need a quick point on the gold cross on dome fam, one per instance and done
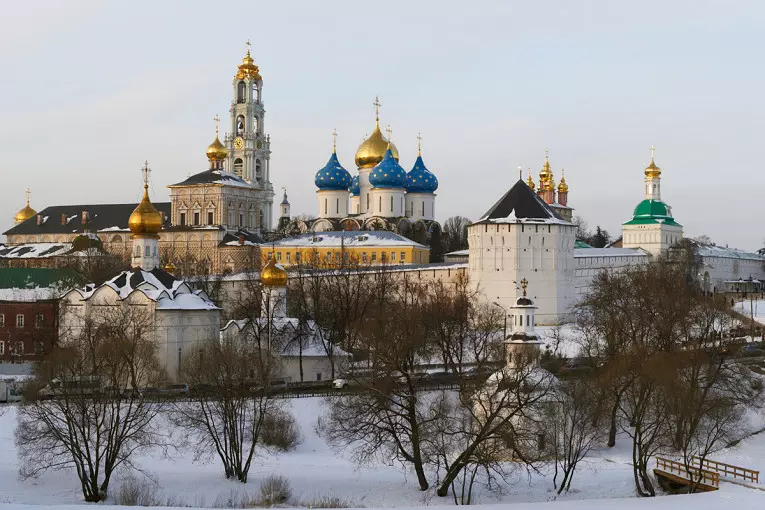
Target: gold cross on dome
(524, 284)
(29, 195)
(653, 151)
(389, 131)
(248, 46)
(334, 140)
(146, 171)
(217, 120)
(419, 144)
(377, 107)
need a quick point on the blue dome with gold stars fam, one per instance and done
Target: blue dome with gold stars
(355, 186)
(333, 176)
(388, 173)
(420, 179)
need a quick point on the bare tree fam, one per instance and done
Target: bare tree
(455, 233)
(83, 409)
(229, 400)
(572, 427)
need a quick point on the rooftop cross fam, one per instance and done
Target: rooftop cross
(377, 107)
(419, 144)
(146, 171)
(520, 172)
(217, 120)
(524, 284)
(29, 194)
(653, 151)
(334, 140)
(248, 46)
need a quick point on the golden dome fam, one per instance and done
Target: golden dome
(372, 150)
(530, 181)
(273, 275)
(170, 267)
(652, 170)
(145, 220)
(248, 69)
(562, 186)
(25, 213)
(216, 151)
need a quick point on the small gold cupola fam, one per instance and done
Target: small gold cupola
(372, 150)
(562, 186)
(545, 175)
(216, 152)
(145, 220)
(248, 69)
(25, 213)
(273, 275)
(652, 170)
(530, 181)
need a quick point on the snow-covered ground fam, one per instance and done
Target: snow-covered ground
(754, 308)
(315, 470)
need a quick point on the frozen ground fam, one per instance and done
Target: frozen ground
(316, 470)
(755, 307)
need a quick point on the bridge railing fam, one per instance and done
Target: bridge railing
(696, 474)
(749, 475)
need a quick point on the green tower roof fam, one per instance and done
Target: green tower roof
(652, 211)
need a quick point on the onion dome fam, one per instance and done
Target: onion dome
(145, 220)
(562, 186)
(169, 267)
(530, 181)
(545, 175)
(388, 173)
(216, 151)
(25, 213)
(332, 176)
(420, 179)
(273, 274)
(248, 69)
(652, 170)
(355, 186)
(372, 150)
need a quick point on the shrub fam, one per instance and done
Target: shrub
(328, 501)
(134, 492)
(275, 490)
(280, 431)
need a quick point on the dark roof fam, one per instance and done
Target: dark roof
(214, 177)
(521, 202)
(250, 237)
(135, 276)
(101, 216)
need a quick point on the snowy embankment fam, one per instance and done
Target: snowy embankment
(754, 309)
(314, 470)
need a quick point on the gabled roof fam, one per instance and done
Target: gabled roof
(250, 239)
(214, 177)
(520, 204)
(101, 217)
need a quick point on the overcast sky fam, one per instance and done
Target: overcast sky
(89, 90)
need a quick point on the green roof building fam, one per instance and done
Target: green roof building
(652, 227)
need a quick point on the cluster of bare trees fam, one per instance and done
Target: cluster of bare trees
(665, 379)
(91, 404)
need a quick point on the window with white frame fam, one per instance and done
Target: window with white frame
(20, 320)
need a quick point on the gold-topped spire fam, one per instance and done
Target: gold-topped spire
(562, 186)
(26, 212)
(530, 181)
(216, 152)
(419, 144)
(372, 149)
(248, 69)
(145, 220)
(334, 141)
(545, 175)
(652, 170)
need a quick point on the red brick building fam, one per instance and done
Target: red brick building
(28, 329)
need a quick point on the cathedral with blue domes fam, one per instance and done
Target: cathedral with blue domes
(381, 195)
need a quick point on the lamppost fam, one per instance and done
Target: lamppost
(504, 337)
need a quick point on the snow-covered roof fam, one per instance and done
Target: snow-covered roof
(731, 253)
(521, 205)
(458, 253)
(338, 239)
(169, 292)
(313, 344)
(609, 252)
(220, 177)
(34, 250)
(29, 295)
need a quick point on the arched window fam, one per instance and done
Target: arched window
(238, 166)
(379, 204)
(256, 124)
(258, 170)
(391, 204)
(256, 92)
(262, 219)
(325, 206)
(240, 125)
(241, 92)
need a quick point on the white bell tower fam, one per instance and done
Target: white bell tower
(249, 148)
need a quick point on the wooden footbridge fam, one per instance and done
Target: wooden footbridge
(705, 474)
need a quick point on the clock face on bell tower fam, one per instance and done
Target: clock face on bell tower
(239, 143)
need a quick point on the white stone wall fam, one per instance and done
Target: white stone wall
(588, 262)
(179, 332)
(332, 203)
(365, 192)
(717, 269)
(655, 238)
(387, 202)
(421, 206)
(501, 255)
(355, 205)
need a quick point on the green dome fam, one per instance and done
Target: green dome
(652, 211)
